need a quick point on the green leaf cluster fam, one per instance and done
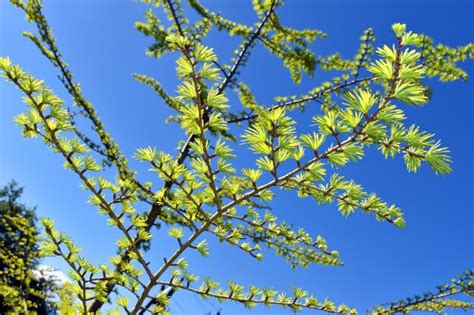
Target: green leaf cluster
(205, 193)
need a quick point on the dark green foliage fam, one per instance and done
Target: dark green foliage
(22, 289)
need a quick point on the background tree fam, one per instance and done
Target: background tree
(202, 192)
(22, 290)
(66, 303)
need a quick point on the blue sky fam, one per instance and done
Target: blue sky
(382, 263)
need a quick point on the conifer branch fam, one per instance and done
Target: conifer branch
(50, 135)
(156, 209)
(297, 247)
(304, 99)
(202, 192)
(35, 14)
(57, 241)
(221, 210)
(435, 301)
(262, 296)
(365, 51)
(245, 47)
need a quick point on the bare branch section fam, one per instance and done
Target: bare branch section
(203, 194)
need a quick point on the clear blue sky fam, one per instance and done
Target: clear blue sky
(382, 263)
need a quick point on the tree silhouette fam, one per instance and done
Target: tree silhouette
(21, 289)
